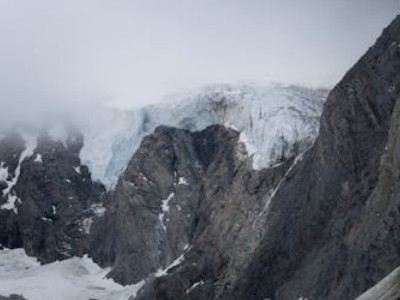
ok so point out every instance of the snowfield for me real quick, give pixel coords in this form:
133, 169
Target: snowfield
72, 279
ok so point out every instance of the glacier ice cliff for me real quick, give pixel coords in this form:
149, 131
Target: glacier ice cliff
275, 122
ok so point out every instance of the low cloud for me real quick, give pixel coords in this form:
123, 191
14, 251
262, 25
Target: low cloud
131, 53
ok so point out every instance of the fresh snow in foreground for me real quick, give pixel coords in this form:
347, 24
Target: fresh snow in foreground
72, 279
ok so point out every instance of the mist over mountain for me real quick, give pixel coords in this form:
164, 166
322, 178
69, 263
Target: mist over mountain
133, 53
135, 162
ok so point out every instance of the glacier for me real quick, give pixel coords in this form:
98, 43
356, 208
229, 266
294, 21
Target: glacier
275, 122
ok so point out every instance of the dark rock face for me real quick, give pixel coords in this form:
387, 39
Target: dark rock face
179, 189
321, 226
54, 197
340, 221
12, 297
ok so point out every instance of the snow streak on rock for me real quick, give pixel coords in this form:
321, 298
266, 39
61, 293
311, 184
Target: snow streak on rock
30, 146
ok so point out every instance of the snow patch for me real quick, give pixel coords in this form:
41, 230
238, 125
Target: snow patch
10, 204
3, 172
86, 225
182, 180
162, 272
72, 279
77, 169
30, 146
165, 210
98, 209
196, 284
38, 158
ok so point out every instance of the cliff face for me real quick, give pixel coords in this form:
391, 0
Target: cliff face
47, 197
192, 216
182, 192
337, 245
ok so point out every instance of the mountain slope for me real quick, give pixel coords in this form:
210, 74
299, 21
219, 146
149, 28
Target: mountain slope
320, 225
336, 246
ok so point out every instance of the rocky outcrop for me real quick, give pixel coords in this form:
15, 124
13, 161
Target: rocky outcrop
386, 289
47, 196
180, 193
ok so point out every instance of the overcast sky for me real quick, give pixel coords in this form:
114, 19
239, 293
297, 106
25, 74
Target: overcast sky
133, 52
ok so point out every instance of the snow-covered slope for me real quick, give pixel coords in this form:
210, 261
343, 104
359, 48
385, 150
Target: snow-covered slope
274, 121
72, 279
